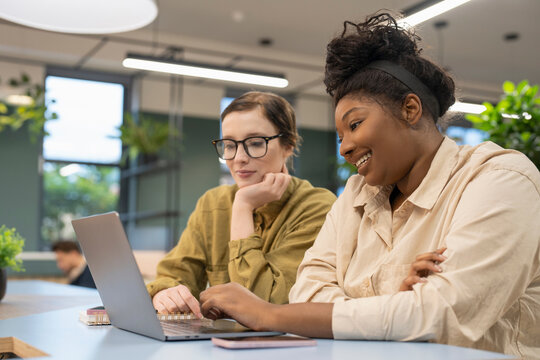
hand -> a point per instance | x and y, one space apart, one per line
176 299
235 301
424 265
271 188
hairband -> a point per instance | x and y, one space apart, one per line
409 80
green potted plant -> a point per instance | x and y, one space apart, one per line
147 137
11 244
513 123
25 104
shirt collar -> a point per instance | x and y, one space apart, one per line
76 271
429 189
437 176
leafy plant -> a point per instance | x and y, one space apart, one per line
90 190
33 111
11 244
515 121
148 136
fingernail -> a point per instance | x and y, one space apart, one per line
444 257
438 268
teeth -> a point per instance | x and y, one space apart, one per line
363 159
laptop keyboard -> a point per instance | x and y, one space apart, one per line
188 327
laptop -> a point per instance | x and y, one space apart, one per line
123 293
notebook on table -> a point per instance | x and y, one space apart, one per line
122 290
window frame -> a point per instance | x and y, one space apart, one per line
127 84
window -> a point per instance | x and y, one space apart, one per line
90 113
82 151
225 177
465 136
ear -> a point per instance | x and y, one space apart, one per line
411 109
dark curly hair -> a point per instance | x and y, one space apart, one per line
381 38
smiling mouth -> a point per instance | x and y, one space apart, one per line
363 160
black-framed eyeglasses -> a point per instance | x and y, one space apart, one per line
254 146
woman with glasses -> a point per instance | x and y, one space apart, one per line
255 232
473 210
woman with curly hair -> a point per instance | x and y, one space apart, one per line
471 211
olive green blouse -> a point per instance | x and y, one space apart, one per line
265 262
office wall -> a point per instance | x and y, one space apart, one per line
199 171
20 182
20 185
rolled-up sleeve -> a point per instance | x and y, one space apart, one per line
186 263
270 273
492 257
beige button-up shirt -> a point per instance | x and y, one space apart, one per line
483 204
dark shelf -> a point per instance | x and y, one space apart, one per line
145 215
155 167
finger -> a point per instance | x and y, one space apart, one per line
440 251
208 305
269 178
170 306
408 283
431 256
411 280
181 305
281 183
423 265
215 313
160 308
190 301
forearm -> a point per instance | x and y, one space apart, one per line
305 319
241 222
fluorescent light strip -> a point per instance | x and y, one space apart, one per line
468 108
430 12
204 72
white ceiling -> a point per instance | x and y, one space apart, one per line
227 33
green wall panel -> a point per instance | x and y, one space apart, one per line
19 185
317 159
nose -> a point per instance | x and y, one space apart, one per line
241 154
346 147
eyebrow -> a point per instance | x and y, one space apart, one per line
247 136
350 111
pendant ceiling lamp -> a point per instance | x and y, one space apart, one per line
80 16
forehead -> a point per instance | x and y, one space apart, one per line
348 105
241 124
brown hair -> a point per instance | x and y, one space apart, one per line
379 38
275 108
66 246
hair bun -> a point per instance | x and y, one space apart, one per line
381 38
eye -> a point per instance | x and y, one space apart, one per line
355 124
256 143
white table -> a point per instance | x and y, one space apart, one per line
62 336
